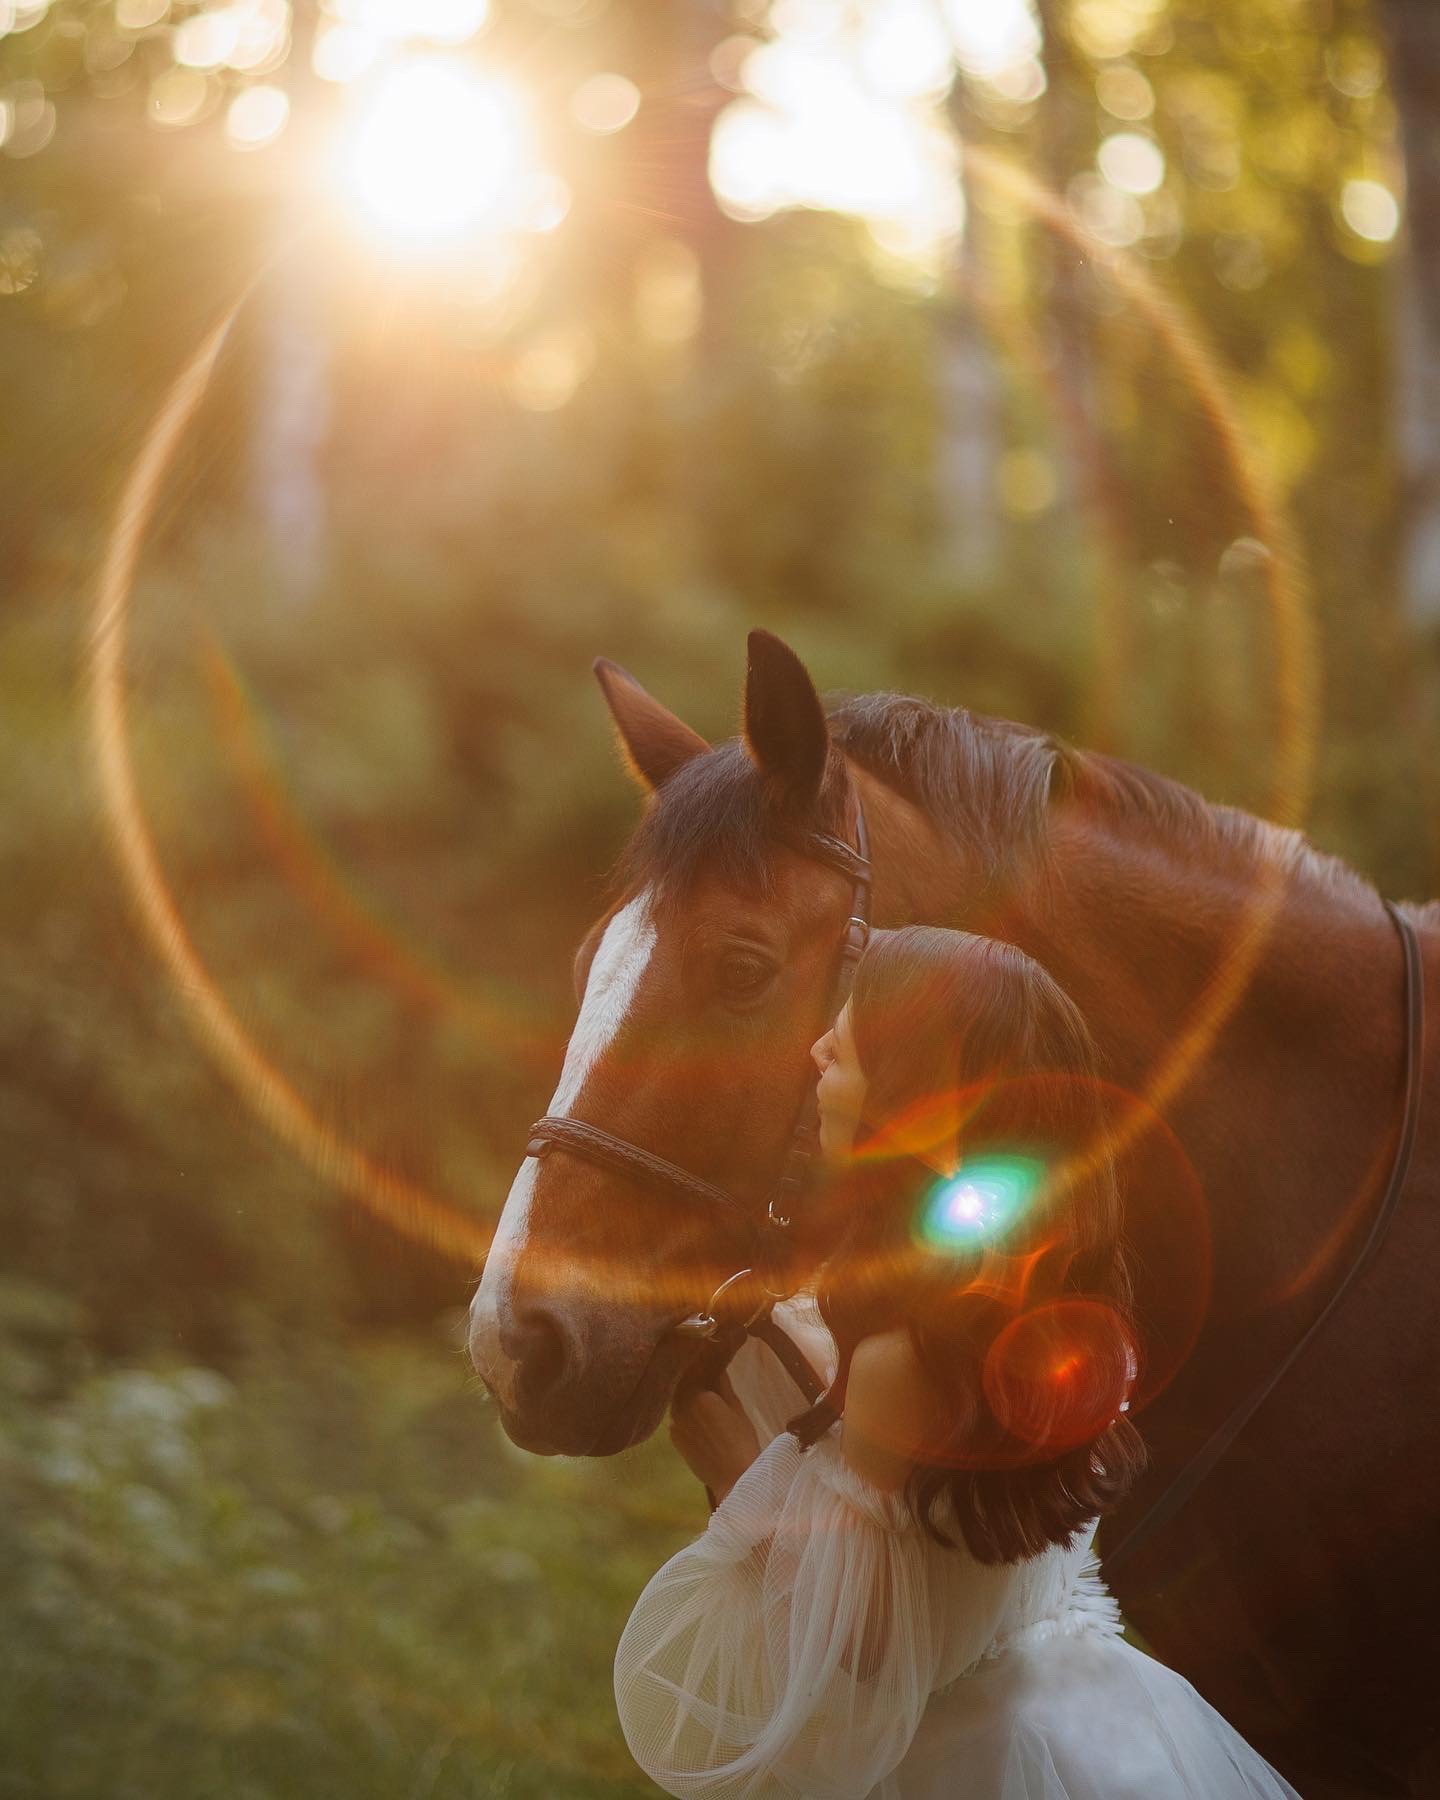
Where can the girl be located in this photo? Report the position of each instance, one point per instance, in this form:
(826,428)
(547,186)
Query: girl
(900,1603)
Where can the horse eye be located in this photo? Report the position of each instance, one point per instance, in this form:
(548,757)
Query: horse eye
(743,977)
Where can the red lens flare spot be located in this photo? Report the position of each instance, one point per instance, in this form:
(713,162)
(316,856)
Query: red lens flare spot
(1056,1377)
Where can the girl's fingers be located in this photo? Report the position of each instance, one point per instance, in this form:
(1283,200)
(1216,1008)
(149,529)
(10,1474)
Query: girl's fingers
(726,1391)
(698,1400)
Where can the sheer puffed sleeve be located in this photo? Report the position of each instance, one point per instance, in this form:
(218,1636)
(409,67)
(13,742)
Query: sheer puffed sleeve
(760,1380)
(791,1650)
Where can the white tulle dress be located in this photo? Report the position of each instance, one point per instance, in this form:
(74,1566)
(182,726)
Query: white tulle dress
(814,1642)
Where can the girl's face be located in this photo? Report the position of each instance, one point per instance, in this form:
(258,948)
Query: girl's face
(841,1091)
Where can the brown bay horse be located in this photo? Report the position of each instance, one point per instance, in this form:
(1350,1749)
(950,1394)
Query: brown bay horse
(1250,987)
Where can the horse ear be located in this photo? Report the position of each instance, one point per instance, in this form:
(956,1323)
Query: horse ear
(653,741)
(785,725)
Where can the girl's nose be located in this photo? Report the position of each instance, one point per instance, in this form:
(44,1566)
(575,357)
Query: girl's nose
(821,1053)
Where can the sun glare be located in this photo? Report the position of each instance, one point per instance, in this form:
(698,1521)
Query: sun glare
(439,150)
(841,109)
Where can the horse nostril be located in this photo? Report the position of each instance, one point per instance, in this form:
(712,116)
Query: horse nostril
(538,1346)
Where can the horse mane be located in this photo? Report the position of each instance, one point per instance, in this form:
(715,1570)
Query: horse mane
(991,781)
(988,783)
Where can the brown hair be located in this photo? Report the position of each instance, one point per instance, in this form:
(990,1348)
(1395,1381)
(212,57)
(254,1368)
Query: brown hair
(1021,1314)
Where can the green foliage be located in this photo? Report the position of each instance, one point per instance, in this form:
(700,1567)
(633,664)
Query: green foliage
(324,1573)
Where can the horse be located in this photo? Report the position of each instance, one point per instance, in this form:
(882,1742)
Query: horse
(1247,985)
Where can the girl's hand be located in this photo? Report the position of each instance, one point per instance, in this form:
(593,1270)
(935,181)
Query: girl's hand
(712,1433)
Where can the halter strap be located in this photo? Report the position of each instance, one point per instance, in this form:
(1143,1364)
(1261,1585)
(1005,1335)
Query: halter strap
(592,1144)
(1210,1452)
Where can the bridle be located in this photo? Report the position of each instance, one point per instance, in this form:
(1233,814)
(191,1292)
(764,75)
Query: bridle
(741,1305)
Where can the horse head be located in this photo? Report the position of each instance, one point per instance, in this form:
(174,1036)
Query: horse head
(701,991)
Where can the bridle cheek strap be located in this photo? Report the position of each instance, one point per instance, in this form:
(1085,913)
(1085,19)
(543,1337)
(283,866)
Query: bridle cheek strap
(592,1144)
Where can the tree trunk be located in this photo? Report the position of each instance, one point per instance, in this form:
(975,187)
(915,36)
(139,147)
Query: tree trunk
(1414,31)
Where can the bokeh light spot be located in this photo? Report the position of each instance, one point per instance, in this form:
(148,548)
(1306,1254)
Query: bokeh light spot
(1124,93)
(605,103)
(1244,559)
(905,50)
(1370,210)
(140,15)
(206,39)
(844,120)
(1355,67)
(177,97)
(1021,84)
(264,35)
(256,117)
(1131,162)
(548,371)
(993,37)
(343,52)
(1113,28)
(20,15)
(1241,263)
(1110,216)
(728,59)
(27,119)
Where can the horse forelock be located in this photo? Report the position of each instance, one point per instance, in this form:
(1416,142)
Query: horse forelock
(986,783)
(717,815)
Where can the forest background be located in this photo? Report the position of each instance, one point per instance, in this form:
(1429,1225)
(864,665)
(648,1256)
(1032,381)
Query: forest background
(752,333)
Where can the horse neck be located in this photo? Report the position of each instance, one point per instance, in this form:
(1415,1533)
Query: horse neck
(1288,1107)
(1285,976)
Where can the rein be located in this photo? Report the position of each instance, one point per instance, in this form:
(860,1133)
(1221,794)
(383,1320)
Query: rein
(1205,1459)
(741,1305)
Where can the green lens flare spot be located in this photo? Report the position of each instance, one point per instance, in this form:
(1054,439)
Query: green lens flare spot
(979,1202)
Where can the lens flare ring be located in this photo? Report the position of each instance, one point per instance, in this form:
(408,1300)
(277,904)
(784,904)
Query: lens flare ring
(411,1209)
(1297,678)
(404,1206)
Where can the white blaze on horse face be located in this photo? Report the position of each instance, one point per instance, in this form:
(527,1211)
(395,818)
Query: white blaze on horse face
(615,974)
(620,961)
